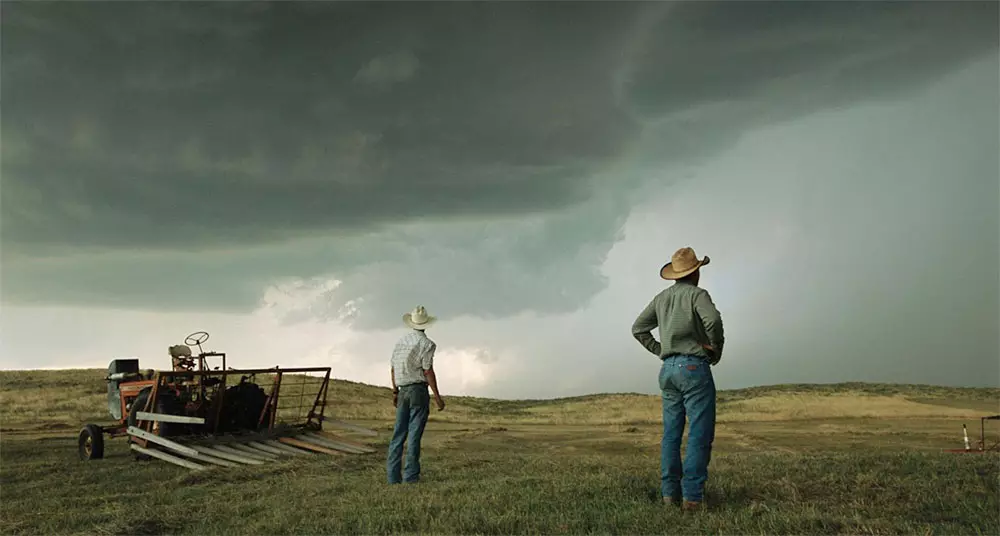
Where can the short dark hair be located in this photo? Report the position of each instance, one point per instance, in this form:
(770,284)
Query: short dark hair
(690,277)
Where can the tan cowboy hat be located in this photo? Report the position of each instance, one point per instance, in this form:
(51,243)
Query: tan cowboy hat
(418,318)
(683,263)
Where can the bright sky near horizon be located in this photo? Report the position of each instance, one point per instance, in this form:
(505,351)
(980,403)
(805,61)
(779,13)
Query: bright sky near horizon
(294,177)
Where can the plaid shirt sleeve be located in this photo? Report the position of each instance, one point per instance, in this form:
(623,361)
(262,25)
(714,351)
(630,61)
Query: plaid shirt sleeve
(427,361)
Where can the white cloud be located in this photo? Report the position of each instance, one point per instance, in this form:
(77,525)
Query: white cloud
(464,370)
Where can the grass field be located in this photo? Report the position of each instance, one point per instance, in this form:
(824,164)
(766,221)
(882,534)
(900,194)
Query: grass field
(793,459)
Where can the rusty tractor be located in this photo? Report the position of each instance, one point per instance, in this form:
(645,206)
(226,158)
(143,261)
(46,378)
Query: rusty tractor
(201,413)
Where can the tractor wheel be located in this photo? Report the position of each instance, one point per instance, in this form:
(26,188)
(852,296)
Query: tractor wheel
(91,442)
(166,402)
(243,404)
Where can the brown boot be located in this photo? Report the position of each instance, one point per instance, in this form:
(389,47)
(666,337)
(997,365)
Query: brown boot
(693,506)
(672,501)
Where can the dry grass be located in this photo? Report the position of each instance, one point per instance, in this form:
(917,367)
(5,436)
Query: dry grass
(784,407)
(48,399)
(828,459)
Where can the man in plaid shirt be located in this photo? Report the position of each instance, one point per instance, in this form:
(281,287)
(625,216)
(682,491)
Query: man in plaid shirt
(412,370)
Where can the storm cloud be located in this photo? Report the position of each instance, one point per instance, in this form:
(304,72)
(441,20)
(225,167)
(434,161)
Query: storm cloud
(187,156)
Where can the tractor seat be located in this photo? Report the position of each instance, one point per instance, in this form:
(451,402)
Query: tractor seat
(180,350)
(180,357)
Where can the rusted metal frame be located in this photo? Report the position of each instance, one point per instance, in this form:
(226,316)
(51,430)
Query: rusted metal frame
(321,393)
(272,403)
(302,393)
(219,400)
(322,408)
(982,434)
(147,426)
(121,403)
(205,365)
(277,401)
(130,390)
(202,389)
(159,380)
(117,430)
(274,370)
(201,379)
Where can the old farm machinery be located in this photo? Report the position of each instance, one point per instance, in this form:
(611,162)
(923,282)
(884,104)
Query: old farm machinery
(983,445)
(201,413)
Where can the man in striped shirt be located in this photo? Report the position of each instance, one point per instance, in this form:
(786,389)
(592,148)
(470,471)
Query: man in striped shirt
(691,339)
(412,371)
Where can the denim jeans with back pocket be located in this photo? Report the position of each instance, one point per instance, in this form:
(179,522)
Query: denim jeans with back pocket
(688,390)
(412,408)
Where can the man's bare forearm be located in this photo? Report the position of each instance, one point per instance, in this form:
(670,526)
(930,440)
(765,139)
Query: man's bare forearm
(392,372)
(432,381)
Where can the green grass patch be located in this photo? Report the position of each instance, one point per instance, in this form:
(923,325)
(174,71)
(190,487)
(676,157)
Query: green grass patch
(798,459)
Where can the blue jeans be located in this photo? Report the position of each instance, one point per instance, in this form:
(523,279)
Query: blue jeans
(688,389)
(412,408)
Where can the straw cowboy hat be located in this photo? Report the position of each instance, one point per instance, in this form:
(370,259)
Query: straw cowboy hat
(683,263)
(418,318)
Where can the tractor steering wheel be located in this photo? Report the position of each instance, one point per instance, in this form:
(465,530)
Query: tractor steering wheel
(196,338)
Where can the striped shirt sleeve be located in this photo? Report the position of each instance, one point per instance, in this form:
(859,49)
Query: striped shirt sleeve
(711,319)
(643,326)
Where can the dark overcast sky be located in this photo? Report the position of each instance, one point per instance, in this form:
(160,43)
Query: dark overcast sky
(486,159)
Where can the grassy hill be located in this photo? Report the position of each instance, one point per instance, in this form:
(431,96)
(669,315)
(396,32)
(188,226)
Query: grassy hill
(838,458)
